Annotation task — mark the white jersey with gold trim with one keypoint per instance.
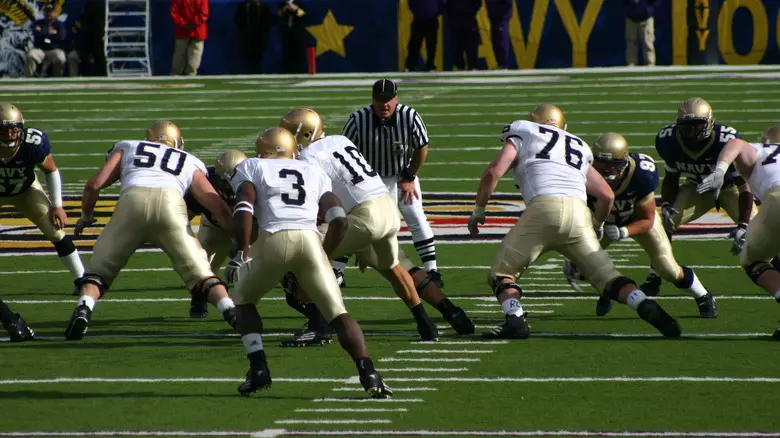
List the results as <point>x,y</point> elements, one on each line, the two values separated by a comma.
<point>550,161</point>
<point>288,192</point>
<point>155,165</point>
<point>766,172</point>
<point>353,179</point>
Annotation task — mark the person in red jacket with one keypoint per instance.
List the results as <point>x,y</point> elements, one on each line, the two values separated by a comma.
<point>189,17</point>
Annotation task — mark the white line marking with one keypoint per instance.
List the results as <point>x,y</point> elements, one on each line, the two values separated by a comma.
<point>496,305</point>
<point>352,409</point>
<point>399,389</point>
<point>430,359</point>
<point>444,351</point>
<point>440,342</point>
<point>340,421</point>
<point>160,380</point>
<point>367,400</point>
<point>624,379</point>
<point>269,433</point>
<point>431,370</point>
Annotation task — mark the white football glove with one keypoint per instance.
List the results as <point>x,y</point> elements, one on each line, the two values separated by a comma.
<point>713,182</point>
<point>615,233</point>
<point>233,267</point>
<point>667,211</point>
<point>572,274</point>
<point>84,221</point>
<point>738,235</point>
<point>477,217</point>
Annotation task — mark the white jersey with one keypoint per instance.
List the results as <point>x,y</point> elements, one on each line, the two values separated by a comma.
<point>149,164</point>
<point>288,192</point>
<point>354,181</point>
<point>550,161</point>
<point>766,172</point>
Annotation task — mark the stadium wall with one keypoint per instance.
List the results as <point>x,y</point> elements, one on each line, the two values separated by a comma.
<point>366,36</point>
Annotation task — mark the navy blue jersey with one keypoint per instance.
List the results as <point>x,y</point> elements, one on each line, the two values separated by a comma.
<point>18,174</point>
<point>640,181</point>
<point>693,165</point>
<point>228,196</point>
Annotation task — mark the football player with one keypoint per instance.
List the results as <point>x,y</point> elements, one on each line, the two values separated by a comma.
<point>288,196</point>
<point>373,216</point>
<point>215,241</point>
<point>21,151</point>
<point>634,178</point>
<point>758,163</point>
<point>689,149</point>
<point>155,174</point>
<point>14,324</point>
<point>553,170</point>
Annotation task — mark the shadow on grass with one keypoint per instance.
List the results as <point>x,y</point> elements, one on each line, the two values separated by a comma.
<point>80,395</point>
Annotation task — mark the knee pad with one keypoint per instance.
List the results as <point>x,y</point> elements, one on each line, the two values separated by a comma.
<point>613,289</point>
<point>65,247</point>
<point>91,279</point>
<point>423,284</point>
<point>204,286</point>
<point>757,269</point>
<point>499,287</point>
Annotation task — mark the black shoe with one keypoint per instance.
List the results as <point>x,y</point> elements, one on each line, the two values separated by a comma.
<point>78,324</point>
<point>229,316</point>
<point>652,285</point>
<point>256,378</point>
<point>707,307</point>
<point>198,308</point>
<point>515,327</point>
<point>651,312</point>
<point>435,276</point>
<point>427,330</point>
<point>308,337</point>
<point>603,306</point>
<point>776,334</point>
<point>374,385</point>
<point>459,321</point>
<point>18,330</point>
<point>340,278</point>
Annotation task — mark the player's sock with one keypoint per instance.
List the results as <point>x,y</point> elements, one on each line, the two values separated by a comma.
<point>253,343</point>
<point>87,301</point>
<point>225,304</point>
<point>512,306</point>
<point>69,256</point>
<point>5,312</point>
<point>316,320</point>
<point>635,298</point>
<point>691,282</point>
<point>445,306</point>
<point>652,272</point>
<point>426,248</point>
<point>340,263</point>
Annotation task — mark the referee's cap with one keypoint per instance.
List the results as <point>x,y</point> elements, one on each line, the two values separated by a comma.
<point>384,90</point>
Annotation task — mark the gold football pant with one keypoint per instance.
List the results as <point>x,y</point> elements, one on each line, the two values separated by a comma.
<point>554,223</point>
<point>692,205</point>
<point>372,234</point>
<point>153,215</point>
<point>762,242</point>
<point>35,205</point>
<point>656,244</point>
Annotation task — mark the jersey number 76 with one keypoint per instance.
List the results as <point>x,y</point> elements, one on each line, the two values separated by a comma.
<point>573,156</point>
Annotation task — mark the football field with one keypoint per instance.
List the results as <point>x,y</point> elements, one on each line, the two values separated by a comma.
<point>146,369</point>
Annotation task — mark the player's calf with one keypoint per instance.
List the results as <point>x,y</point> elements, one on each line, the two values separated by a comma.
<point>352,341</point>
<point>624,289</point>
<point>431,294</point>
<point>214,290</point>
<point>90,288</point>
<point>69,256</point>
<point>688,281</point>
<point>250,325</point>
<point>515,325</point>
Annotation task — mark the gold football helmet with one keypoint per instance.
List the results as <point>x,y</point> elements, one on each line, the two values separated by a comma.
<point>771,135</point>
<point>549,114</point>
<point>276,143</point>
<point>695,120</point>
<point>227,162</point>
<point>305,124</point>
<point>165,132</point>
<point>13,124</point>
<point>610,155</point>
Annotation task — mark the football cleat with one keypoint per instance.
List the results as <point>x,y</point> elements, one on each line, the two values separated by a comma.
<point>603,306</point>
<point>229,316</point>
<point>18,330</point>
<point>340,278</point>
<point>776,334</point>
<point>515,327</point>
<point>78,324</point>
<point>435,277</point>
<point>427,330</point>
<point>257,378</point>
<point>459,321</point>
<point>374,385</point>
<point>307,338</point>
<point>652,312</point>
<point>652,285</point>
<point>707,307</point>
<point>198,307</point>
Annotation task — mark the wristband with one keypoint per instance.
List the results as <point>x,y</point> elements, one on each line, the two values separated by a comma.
<point>478,211</point>
<point>722,165</point>
<point>334,213</point>
<point>623,233</point>
<point>244,206</point>
<point>406,175</point>
<point>54,184</point>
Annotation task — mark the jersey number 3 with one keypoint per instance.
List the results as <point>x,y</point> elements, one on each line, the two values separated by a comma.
<point>573,156</point>
<point>300,197</point>
<point>147,158</point>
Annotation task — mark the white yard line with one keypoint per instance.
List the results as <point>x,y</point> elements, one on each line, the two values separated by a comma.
<point>367,400</point>
<point>427,370</point>
<point>395,388</point>
<point>352,409</point>
<point>444,351</point>
<point>429,359</point>
<point>339,421</point>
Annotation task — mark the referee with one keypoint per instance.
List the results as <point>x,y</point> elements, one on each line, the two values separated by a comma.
<point>393,139</point>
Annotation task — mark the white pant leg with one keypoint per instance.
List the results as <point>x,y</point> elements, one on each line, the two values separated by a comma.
<point>413,214</point>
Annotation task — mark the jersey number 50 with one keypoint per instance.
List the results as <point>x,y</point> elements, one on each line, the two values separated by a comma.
<point>573,156</point>
<point>151,158</point>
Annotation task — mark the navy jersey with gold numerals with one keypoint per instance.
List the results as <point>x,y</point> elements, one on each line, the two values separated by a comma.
<point>694,165</point>
<point>640,180</point>
<point>18,173</point>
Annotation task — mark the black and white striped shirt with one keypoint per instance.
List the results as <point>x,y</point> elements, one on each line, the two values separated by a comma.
<point>388,146</point>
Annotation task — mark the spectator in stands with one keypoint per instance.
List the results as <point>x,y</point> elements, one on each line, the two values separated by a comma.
<point>88,56</point>
<point>499,13</point>
<point>464,33</point>
<point>253,18</point>
<point>293,36</point>
<point>48,37</point>
<point>189,18</point>
<point>425,25</point>
<point>639,23</point>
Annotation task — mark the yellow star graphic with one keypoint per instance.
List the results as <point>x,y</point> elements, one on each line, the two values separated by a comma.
<point>330,35</point>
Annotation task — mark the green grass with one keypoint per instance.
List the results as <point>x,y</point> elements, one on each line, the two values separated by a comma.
<point>141,329</point>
